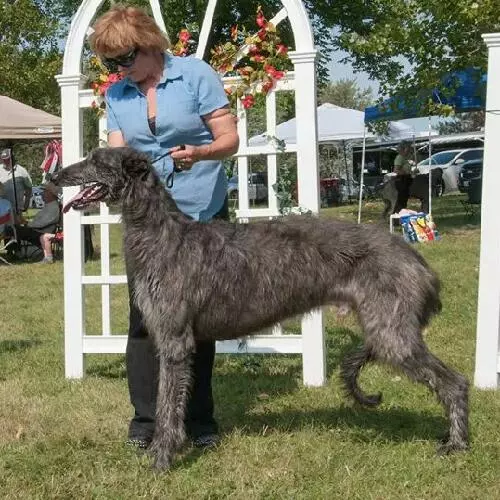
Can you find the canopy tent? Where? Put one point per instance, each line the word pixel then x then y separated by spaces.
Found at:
pixel 464 91
pixel 20 121
pixel 334 124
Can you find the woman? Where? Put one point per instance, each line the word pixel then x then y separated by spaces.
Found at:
pixel 177 105
pixel 402 169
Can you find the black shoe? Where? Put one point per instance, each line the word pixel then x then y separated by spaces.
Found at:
pixel 139 443
pixel 206 441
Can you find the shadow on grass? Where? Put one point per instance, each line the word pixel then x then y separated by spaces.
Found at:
pixel 243 382
pixel 10 346
pixel 393 424
pixel 110 366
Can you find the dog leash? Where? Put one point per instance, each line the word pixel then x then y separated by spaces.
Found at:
pixel 169 181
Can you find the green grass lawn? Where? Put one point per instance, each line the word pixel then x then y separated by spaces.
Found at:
pixel 62 439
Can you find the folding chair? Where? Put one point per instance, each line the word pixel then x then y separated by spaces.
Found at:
pixel 7 220
pixel 57 240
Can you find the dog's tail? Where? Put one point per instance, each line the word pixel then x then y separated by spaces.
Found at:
pixel 351 366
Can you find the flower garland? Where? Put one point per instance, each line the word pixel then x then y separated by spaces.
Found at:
pixel 259 59
pixel 100 80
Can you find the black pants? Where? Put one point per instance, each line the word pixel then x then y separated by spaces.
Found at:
pixel 143 368
pixel 403 185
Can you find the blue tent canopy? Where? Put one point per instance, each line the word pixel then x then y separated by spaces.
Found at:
pixel 463 90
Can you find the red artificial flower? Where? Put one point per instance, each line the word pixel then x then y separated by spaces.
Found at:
pixel 253 50
pixel 258 58
pixel 248 101
pixel 268 85
pixel 261 20
pixel 273 72
pixel 281 50
pixel 114 77
pixel 228 91
pixel 103 87
pixel 184 35
pixel 245 71
pixel 262 33
pixel 234 32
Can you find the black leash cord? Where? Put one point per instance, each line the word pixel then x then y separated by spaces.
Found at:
pixel 169 181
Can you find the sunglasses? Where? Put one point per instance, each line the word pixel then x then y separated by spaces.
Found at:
pixel 125 60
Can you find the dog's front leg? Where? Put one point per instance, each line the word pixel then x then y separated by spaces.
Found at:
pixel 174 384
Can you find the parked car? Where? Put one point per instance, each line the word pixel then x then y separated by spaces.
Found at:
pixel 36 200
pixel 257 187
pixel 450 162
pixel 470 171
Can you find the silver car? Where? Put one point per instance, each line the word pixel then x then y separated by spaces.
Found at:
pixel 450 162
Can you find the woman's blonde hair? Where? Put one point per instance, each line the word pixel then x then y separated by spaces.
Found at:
pixel 123 28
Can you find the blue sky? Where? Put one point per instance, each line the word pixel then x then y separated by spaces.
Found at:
pixel 340 71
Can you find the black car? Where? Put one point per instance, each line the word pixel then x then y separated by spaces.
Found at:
pixel 469 171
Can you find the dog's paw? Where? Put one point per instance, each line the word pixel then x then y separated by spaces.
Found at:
pixel 449 447
pixel 162 463
pixel 162 458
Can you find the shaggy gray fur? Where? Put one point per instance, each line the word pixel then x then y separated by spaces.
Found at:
pixel 222 281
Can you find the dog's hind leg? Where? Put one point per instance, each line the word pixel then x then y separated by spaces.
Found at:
pixel 351 366
pixel 174 384
pixel 451 389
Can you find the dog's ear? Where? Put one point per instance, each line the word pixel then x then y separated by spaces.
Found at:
pixel 134 163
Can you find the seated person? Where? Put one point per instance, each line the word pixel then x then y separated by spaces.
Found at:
pixel 41 229
pixel 5 211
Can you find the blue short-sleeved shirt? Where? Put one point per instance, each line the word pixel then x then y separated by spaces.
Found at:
pixel 188 89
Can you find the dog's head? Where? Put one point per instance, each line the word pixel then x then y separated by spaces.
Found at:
pixel 105 174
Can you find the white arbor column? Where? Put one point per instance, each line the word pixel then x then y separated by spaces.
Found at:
pixel 72 129
pixel 307 129
pixel 313 337
pixel 488 319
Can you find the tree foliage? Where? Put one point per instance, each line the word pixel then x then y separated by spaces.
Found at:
pixel 347 94
pixel 410 44
pixel 179 14
pixel 463 122
pixel 29 53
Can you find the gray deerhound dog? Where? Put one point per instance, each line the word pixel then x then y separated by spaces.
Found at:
pixel 223 281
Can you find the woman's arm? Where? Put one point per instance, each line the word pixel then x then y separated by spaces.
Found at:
pixel 116 140
pixel 222 125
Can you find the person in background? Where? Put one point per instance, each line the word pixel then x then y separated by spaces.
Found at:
pixel 175 108
pixel 5 212
pixel 402 169
pixel 41 229
pixel 20 195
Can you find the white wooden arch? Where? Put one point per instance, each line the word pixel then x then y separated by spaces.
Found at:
pixel 487 371
pixel 74 99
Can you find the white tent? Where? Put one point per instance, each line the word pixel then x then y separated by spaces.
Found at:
pixel 334 124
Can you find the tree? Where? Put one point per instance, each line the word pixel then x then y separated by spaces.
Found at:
pixel 347 94
pixel 29 54
pixel 179 14
pixel 410 44
pixel 464 122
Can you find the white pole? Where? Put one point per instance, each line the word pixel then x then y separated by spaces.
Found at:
pixel 430 170
pixel 362 176
pixel 487 370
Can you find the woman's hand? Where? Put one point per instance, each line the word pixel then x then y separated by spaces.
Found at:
pixel 185 156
